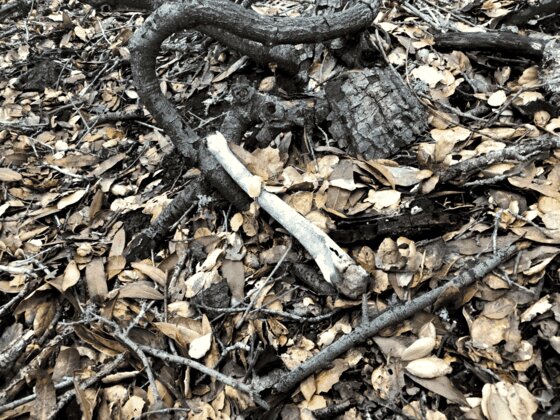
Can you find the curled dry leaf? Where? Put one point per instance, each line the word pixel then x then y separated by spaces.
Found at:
pixel 497 98
pixel 384 198
pixel 428 367
pixel 71 275
pixel 420 348
pixel 507 401
pixel 539 307
pixel 9 175
pixel 70 199
pixel 200 346
pixel 327 378
pixel 152 272
pixel 486 332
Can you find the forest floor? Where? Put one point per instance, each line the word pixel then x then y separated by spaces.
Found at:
pixel 83 168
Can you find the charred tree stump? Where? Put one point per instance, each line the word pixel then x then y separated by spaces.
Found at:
pixel 374 112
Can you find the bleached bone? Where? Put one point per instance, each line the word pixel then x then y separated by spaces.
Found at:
pixel 337 267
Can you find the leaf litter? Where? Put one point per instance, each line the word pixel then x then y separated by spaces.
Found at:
pixel 219 289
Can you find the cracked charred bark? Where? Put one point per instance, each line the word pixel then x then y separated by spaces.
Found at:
pixel 374 112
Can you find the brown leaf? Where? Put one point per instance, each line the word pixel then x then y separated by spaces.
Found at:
pixel 115 265
pixel 138 290
pixel 325 379
pixel 234 273
pixel 71 275
pixel 428 367
pixel 45 402
pixel 118 244
pixel 181 334
pixel 70 199
pixel 152 272
pixel 9 175
pixel 443 386
pixel 96 279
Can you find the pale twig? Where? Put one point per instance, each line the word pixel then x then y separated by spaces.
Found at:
pixel 337 266
pixel 122 336
pixel 257 294
pixel 168 357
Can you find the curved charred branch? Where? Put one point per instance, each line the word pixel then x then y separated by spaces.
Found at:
pixel 147 239
pixel 502 42
pixel 285 57
pixel 121 5
pixel 536 11
pixel 174 17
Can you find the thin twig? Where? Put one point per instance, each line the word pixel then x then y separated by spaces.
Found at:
pixel 257 294
pixel 168 357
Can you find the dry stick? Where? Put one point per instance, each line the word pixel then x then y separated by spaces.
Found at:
pixel 107 369
pixel 17 383
pixel 539 144
pixel 29 287
pixel 15 349
pixel 29 398
pixel 168 357
pixel 504 42
pixel 123 336
pixel 387 318
pixel 539 9
pixel 337 266
pixel 287 315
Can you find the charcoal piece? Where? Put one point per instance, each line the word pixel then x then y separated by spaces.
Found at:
pixel 373 113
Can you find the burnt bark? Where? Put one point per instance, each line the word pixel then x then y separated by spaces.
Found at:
pixel 537 10
pixel 541 49
pixel 503 42
pixel 15 9
pixel 374 112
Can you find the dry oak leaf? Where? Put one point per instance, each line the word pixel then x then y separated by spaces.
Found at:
pixel 327 378
pixel 419 349
pixel 502 401
pixel 9 175
pixel 428 367
pixel 200 346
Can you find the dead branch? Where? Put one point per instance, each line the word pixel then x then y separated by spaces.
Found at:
pixel 173 17
pixel 106 370
pixel 539 9
pixel 147 239
pixel 391 316
pixel 168 357
pixel 18 382
pixel 24 400
pixel 15 9
pixel 503 42
pixel 517 152
pixel 15 350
